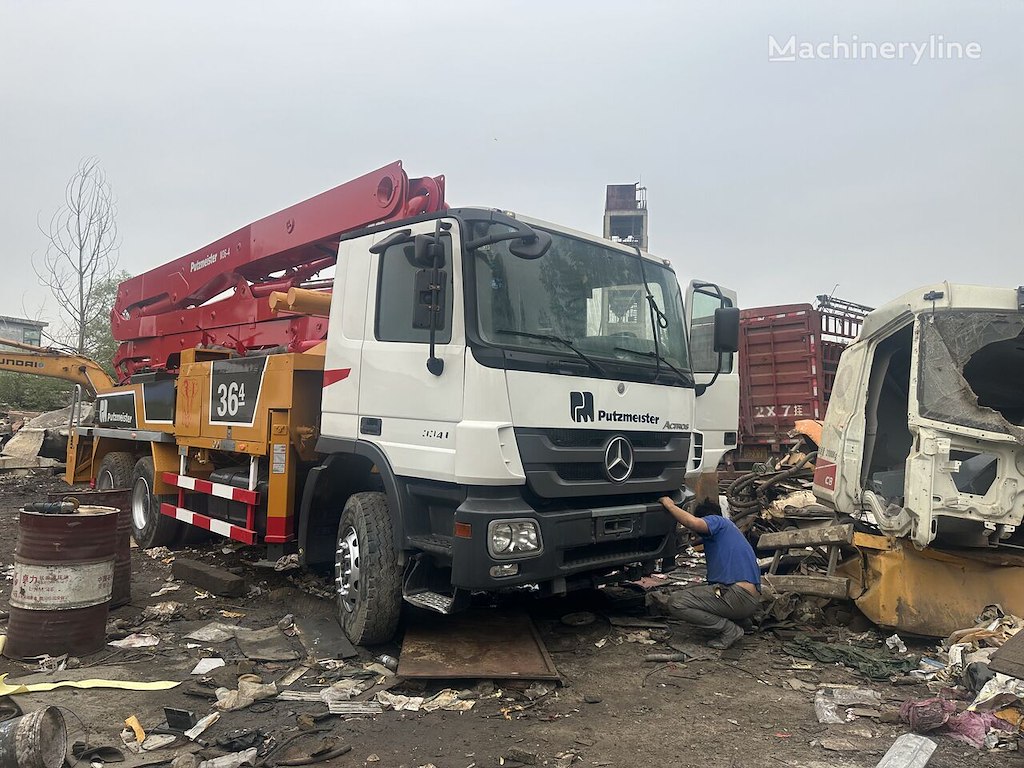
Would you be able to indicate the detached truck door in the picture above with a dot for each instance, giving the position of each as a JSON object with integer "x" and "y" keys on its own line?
{"x": 717, "y": 410}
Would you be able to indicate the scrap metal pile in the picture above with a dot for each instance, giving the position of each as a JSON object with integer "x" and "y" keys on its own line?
{"x": 758, "y": 498}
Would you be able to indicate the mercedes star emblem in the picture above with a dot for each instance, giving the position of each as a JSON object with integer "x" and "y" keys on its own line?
{"x": 618, "y": 459}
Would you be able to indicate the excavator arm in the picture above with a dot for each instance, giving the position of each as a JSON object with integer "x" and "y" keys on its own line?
{"x": 56, "y": 364}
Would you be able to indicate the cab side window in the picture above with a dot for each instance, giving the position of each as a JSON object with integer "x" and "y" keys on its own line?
{"x": 396, "y": 296}
{"x": 702, "y": 333}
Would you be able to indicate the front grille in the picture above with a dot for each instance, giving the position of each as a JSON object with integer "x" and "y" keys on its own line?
{"x": 578, "y": 473}
{"x": 566, "y": 463}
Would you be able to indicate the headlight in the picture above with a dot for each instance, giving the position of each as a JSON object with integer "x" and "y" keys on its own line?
{"x": 501, "y": 537}
{"x": 507, "y": 538}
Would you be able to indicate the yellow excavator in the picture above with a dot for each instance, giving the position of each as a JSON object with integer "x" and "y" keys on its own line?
{"x": 54, "y": 363}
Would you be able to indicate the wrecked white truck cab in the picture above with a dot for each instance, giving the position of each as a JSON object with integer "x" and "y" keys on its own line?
{"x": 924, "y": 435}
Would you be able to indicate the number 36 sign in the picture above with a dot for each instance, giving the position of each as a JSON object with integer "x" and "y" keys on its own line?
{"x": 235, "y": 390}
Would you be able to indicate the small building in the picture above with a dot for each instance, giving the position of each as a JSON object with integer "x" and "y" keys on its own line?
{"x": 21, "y": 329}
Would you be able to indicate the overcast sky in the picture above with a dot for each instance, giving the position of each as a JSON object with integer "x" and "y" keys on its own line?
{"x": 780, "y": 179}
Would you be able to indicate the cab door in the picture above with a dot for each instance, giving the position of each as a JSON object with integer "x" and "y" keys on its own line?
{"x": 718, "y": 408}
{"x": 407, "y": 409}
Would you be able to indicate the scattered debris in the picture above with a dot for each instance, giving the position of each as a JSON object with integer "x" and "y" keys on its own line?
{"x": 233, "y": 760}
{"x": 537, "y": 690}
{"x": 636, "y": 622}
{"x": 169, "y": 587}
{"x": 351, "y": 708}
{"x": 874, "y": 663}
{"x": 251, "y": 689}
{"x": 268, "y": 644}
{"x": 136, "y": 641}
{"x": 207, "y": 665}
{"x": 200, "y": 727}
{"x": 828, "y": 701}
{"x": 521, "y": 756}
{"x": 163, "y": 611}
{"x": 323, "y": 638}
{"x": 895, "y": 643}
{"x": 214, "y": 632}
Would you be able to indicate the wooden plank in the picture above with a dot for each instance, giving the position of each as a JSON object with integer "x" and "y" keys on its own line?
{"x": 821, "y": 586}
{"x": 804, "y": 537}
{"x": 833, "y": 559}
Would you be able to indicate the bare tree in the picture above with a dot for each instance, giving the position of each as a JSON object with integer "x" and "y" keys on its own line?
{"x": 81, "y": 252}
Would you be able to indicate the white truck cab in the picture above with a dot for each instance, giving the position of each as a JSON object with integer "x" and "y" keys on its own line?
{"x": 524, "y": 393}
{"x": 924, "y": 434}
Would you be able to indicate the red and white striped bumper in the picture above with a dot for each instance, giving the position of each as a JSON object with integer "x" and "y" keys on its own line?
{"x": 229, "y": 492}
{"x": 213, "y": 525}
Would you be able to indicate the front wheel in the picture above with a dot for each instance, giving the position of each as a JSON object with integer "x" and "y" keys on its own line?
{"x": 149, "y": 527}
{"x": 367, "y": 574}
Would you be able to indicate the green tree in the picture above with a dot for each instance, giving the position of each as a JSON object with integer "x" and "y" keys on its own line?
{"x": 99, "y": 340}
{"x": 23, "y": 391}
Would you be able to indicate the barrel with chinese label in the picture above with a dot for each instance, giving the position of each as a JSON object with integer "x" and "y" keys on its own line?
{"x": 63, "y": 576}
{"x": 121, "y": 500}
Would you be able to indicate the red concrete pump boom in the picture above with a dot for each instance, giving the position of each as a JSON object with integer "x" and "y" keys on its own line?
{"x": 182, "y": 304}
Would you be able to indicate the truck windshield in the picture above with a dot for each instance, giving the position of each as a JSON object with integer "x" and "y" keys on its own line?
{"x": 582, "y": 300}
{"x": 970, "y": 369}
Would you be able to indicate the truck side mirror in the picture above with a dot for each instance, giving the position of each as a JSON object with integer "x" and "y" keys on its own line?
{"x": 727, "y": 330}
{"x": 427, "y": 251}
{"x": 531, "y": 247}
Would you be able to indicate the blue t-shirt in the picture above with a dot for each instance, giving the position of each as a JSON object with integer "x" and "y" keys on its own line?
{"x": 730, "y": 558}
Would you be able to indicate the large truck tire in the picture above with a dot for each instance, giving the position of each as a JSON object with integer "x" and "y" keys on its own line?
{"x": 368, "y": 576}
{"x": 115, "y": 471}
{"x": 149, "y": 527}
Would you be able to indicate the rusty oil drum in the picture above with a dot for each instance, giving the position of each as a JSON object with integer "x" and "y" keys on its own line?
{"x": 122, "y": 501}
{"x": 63, "y": 577}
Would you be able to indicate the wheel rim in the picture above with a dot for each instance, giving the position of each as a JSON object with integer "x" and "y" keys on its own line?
{"x": 105, "y": 482}
{"x": 140, "y": 504}
{"x": 347, "y": 569}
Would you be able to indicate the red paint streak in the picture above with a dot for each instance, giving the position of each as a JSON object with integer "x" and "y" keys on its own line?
{"x": 335, "y": 375}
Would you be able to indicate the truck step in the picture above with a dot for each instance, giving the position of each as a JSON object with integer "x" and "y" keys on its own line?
{"x": 432, "y": 601}
{"x": 434, "y": 543}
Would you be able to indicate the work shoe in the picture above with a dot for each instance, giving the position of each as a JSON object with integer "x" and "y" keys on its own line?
{"x": 729, "y": 636}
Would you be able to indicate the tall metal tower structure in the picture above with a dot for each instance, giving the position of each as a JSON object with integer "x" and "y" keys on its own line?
{"x": 625, "y": 214}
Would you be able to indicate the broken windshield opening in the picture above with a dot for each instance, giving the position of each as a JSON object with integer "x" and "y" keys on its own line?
{"x": 970, "y": 368}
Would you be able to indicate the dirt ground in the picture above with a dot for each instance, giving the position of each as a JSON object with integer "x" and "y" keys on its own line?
{"x": 612, "y": 709}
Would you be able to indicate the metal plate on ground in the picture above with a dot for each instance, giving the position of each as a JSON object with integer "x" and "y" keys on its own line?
{"x": 1009, "y": 659}
{"x": 478, "y": 644}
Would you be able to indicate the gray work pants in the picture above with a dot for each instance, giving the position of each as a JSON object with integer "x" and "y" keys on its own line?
{"x": 710, "y": 606}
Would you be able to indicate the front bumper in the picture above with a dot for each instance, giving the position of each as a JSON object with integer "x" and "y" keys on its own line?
{"x": 575, "y": 542}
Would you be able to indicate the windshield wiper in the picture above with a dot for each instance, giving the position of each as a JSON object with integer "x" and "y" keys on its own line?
{"x": 557, "y": 340}
{"x": 661, "y": 358}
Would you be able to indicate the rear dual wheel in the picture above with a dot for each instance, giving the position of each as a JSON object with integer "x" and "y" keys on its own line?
{"x": 149, "y": 527}
{"x": 115, "y": 471}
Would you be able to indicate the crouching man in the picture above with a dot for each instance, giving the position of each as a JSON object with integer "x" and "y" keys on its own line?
{"x": 732, "y": 593}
